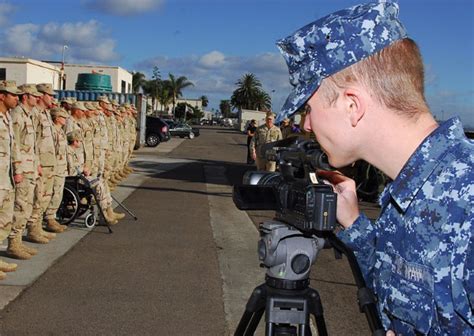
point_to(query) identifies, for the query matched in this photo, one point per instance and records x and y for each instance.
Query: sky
(215, 42)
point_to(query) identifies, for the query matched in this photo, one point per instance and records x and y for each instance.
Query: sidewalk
(30, 270)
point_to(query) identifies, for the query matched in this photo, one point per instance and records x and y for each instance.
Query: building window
(124, 86)
(3, 73)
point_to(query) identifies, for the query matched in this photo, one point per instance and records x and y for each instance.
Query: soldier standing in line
(131, 138)
(75, 123)
(87, 134)
(124, 131)
(47, 159)
(25, 137)
(66, 103)
(285, 128)
(113, 143)
(266, 133)
(59, 117)
(10, 167)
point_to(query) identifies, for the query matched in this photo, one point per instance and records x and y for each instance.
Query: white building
(29, 71)
(120, 78)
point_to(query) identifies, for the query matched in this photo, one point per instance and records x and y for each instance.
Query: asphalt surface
(187, 266)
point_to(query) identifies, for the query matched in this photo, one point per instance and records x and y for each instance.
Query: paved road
(187, 266)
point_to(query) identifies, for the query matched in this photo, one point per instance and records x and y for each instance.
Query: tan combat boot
(109, 217)
(53, 226)
(15, 249)
(34, 234)
(2, 275)
(7, 267)
(118, 215)
(49, 235)
(113, 180)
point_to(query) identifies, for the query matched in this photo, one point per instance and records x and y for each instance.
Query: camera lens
(300, 263)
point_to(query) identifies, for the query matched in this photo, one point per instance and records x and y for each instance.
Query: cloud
(5, 11)
(214, 74)
(87, 42)
(123, 7)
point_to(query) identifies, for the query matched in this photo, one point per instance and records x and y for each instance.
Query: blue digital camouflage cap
(333, 43)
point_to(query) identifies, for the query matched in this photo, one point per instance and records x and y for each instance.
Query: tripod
(286, 297)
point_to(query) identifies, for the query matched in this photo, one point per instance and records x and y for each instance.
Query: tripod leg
(316, 308)
(253, 312)
(124, 207)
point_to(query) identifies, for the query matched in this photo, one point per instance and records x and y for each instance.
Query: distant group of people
(41, 142)
(266, 133)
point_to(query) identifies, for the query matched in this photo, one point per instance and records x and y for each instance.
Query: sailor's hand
(347, 202)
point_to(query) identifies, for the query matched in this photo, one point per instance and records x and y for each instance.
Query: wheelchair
(79, 198)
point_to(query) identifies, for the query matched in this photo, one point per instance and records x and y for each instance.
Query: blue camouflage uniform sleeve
(360, 237)
(462, 261)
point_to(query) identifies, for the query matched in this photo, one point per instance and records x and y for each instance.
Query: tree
(248, 92)
(204, 101)
(225, 108)
(262, 102)
(138, 81)
(176, 86)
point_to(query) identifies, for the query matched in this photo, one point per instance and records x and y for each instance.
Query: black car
(183, 130)
(156, 131)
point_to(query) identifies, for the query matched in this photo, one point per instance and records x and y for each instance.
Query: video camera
(299, 198)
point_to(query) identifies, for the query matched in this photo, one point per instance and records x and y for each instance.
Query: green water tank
(93, 82)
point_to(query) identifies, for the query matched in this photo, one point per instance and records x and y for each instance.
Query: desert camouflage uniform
(264, 135)
(418, 255)
(25, 138)
(103, 138)
(73, 125)
(112, 136)
(10, 165)
(125, 141)
(60, 145)
(47, 159)
(88, 142)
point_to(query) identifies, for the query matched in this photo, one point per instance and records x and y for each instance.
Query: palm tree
(164, 94)
(204, 101)
(138, 81)
(263, 102)
(224, 106)
(248, 89)
(176, 86)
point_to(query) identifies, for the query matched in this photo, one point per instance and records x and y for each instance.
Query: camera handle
(365, 297)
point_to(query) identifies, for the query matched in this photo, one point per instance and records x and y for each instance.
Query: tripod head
(287, 254)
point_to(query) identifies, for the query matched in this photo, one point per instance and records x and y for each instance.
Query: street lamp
(63, 76)
(271, 98)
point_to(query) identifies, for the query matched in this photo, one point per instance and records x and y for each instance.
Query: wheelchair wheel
(90, 220)
(69, 207)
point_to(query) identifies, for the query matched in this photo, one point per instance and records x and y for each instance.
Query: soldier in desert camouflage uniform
(76, 166)
(266, 133)
(59, 117)
(10, 167)
(47, 159)
(25, 137)
(362, 80)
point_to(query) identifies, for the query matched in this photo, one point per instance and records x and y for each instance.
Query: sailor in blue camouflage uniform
(361, 79)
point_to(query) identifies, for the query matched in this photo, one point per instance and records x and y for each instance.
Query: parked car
(183, 130)
(156, 131)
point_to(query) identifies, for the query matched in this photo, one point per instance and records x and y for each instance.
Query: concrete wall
(117, 75)
(24, 70)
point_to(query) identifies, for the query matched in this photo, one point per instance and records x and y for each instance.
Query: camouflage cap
(334, 42)
(89, 106)
(74, 135)
(269, 115)
(45, 88)
(114, 102)
(30, 89)
(68, 100)
(127, 105)
(104, 99)
(73, 99)
(78, 106)
(58, 112)
(10, 87)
